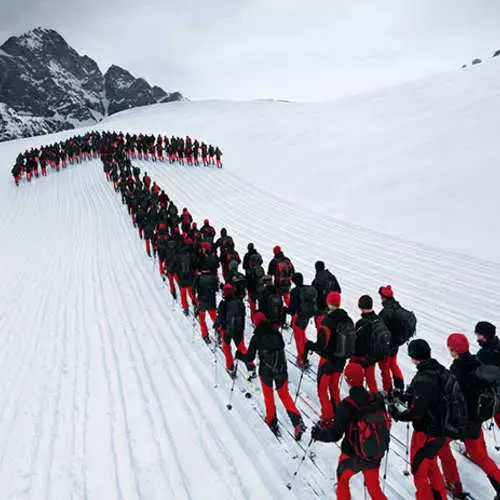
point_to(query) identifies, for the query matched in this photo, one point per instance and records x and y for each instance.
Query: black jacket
(327, 334)
(489, 354)
(268, 343)
(463, 368)
(387, 316)
(363, 331)
(346, 414)
(423, 398)
(205, 286)
(237, 307)
(325, 282)
(184, 266)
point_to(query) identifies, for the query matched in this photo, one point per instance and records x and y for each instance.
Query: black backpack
(369, 434)
(345, 344)
(308, 301)
(259, 281)
(453, 405)
(239, 284)
(254, 261)
(403, 325)
(235, 317)
(379, 341)
(275, 308)
(488, 378)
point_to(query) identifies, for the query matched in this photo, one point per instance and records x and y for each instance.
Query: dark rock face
(476, 61)
(46, 86)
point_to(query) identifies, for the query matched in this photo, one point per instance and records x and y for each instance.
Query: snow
(107, 393)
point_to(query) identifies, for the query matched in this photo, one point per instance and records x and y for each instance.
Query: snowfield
(107, 394)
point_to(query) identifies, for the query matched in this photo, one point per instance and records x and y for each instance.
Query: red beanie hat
(227, 290)
(333, 299)
(458, 342)
(354, 374)
(386, 291)
(258, 318)
(276, 249)
(205, 222)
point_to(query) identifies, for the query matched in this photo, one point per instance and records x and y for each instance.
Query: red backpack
(284, 271)
(369, 433)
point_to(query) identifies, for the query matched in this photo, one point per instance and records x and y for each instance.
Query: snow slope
(417, 161)
(105, 393)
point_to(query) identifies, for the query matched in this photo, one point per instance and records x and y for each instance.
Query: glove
(315, 432)
(309, 346)
(393, 411)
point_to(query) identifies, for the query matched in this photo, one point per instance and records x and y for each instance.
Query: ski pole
(385, 471)
(298, 387)
(302, 460)
(497, 448)
(406, 472)
(229, 406)
(365, 494)
(215, 366)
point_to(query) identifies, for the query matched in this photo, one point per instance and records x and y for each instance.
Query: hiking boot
(303, 364)
(207, 340)
(196, 311)
(300, 428)
(186, 312)
(273, 425)
(174, 294)
(455, 489)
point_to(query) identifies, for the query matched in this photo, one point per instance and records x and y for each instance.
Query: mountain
(46, 86)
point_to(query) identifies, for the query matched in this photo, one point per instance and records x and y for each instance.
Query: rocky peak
(46, 86)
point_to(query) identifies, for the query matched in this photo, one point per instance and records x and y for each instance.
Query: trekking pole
(497, 448)
(365, 494)
(385, 471)
(298, 387)
(229, 406)
(194, 329)
(302, 460)
(406, 472)
(215, 366)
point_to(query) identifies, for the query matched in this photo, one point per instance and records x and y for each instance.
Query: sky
(301, 50)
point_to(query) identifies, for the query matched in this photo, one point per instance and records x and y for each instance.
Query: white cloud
(270, 48)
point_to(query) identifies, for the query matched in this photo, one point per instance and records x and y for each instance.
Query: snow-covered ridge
(51, 87)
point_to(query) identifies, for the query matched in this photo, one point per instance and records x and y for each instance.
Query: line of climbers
(76, 149)
(189, 257)
(442, 404)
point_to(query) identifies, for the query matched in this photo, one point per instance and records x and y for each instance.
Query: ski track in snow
(105, 393)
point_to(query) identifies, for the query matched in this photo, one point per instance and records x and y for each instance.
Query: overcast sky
(295, 49)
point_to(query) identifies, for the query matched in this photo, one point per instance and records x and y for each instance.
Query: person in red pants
(399, 336)
(268, 343)
(231, 321)
(463, 367)
(282, 270)
(303, 303)
(324, 282)
(489, 354)
(330, 366)
(205, 287)
(184, 270)
(364, 342)
(351, 414)
(423, 397)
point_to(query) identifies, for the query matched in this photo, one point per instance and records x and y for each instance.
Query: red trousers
(148, 246)
(347, 469)
(171, 278)
(497, 419)
(477, 451)
(185, 290)
(426, 475)
(318, 320)
(226, 349)
(371, 381)
(328, 390)
(389, 366)
(300, 339)
(203, 323)
(286, 399)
